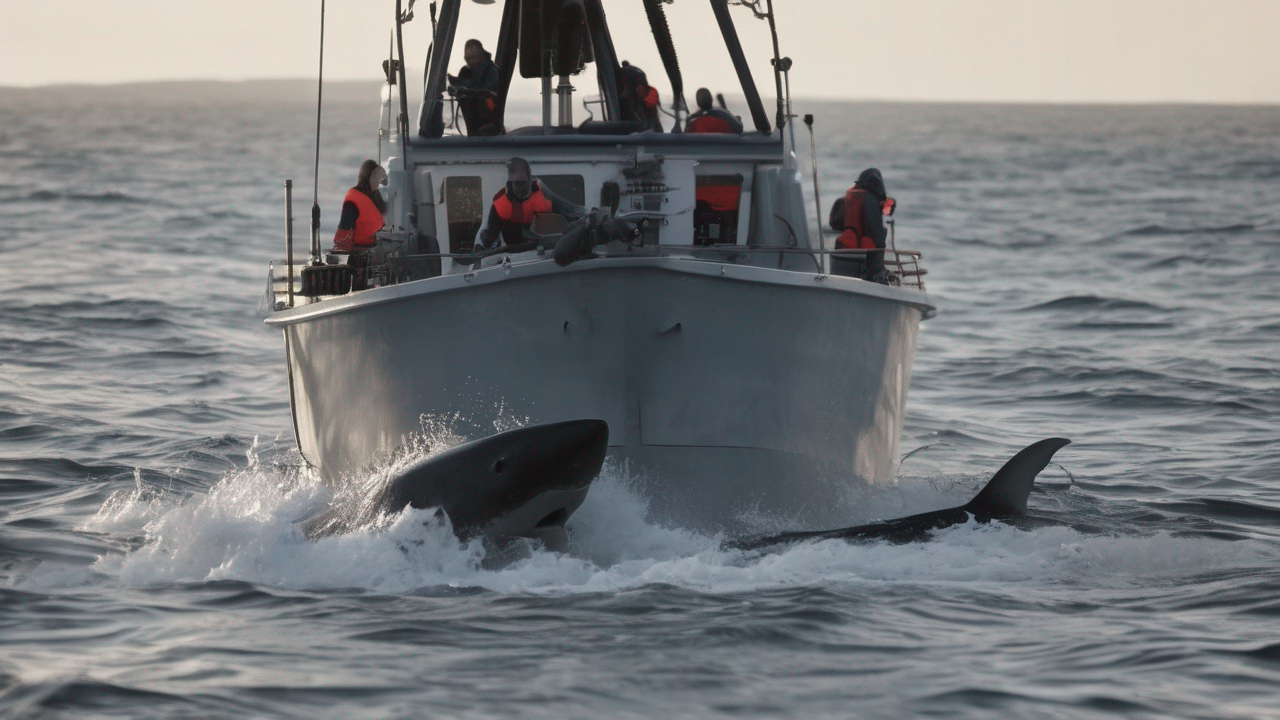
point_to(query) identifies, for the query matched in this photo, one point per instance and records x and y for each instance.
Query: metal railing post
(288, 233)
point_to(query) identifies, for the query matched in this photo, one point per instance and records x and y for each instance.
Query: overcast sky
(968, 50)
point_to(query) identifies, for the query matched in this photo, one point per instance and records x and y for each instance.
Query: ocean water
(1107, 274)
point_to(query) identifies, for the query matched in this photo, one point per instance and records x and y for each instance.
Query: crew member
(638, 100)
(711, 119)
(362, 210)
(480, 72)
(862, 229)
(476, 86)
(515, 206)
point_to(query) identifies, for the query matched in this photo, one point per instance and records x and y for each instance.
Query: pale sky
(951, 50)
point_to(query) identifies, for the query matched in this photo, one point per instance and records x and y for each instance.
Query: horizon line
(142, 84)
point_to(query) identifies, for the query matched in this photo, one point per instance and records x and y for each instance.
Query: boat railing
(902, 266)
(907, 268)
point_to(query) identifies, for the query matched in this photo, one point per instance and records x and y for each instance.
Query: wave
(1039, 374)
(191, 411)
(1225, 509)
(1180, 260)
(1266, 653)
(27, 432)
(151, 357)
(242, 530)
(110, 197)
(1121, 326)
(196, 221)
(52, 698)
(1128, 399)
(91, 305)
(1255, 169)
(123, 312)
(1092, 302)
(985, 702)
(49, 470)
(1146, 230)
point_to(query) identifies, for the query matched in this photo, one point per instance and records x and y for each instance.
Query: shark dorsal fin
(1006, 493)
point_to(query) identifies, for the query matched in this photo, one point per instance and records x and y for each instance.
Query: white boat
(738, 376)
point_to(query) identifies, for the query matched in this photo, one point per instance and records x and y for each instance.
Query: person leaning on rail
(858, 216)
(362, 210)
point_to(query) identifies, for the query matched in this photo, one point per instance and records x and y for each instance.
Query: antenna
(403, 122)
(315, 182)
(777, 73)
(384, 111)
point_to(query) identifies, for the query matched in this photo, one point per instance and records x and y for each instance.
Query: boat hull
(732, 391)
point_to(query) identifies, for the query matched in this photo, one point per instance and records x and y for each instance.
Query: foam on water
(244, 529)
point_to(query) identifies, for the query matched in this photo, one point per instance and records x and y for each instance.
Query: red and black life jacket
(855, 235)
(516, 215)
(368, 222)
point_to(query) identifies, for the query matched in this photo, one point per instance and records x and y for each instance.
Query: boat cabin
(683, 190)
(731, 196)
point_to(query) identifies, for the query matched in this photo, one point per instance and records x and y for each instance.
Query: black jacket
(484, 77)
(872, 218)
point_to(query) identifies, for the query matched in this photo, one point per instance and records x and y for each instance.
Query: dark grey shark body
(520, 483)
(1003, 497)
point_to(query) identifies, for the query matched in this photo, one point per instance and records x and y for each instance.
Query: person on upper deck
(515, 206)
(362, 210)
(711, 119)
(480, 72)
(638, 100)
(476, 86)
(859, 217)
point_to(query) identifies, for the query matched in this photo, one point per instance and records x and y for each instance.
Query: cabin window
(464, 209)
(715, 214)
(569, 187)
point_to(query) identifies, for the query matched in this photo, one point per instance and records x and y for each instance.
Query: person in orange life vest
(862, 228)
(711, 119)
(515, 205)
(639, 102)
(362, 210)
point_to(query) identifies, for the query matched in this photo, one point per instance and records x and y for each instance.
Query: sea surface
(1106, 274)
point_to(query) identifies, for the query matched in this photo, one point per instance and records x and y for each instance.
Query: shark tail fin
(1006, 493)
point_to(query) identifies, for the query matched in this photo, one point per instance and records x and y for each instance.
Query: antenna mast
(315, 182)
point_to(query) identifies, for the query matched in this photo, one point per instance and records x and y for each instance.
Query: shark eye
(497, 466)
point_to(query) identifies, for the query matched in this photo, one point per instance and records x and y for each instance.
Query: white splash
(244, 529)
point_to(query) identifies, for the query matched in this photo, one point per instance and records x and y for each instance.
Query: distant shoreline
(302, 90)
(289, 91)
